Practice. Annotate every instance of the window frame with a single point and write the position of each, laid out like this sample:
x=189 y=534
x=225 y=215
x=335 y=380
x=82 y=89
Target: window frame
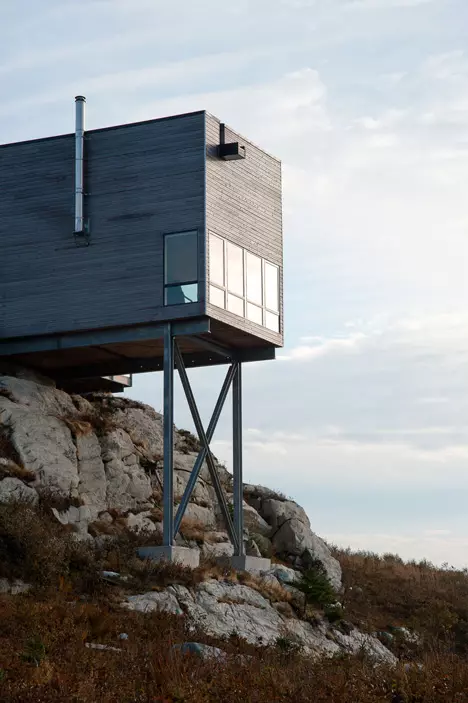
x=196 y=282
x=246 y=300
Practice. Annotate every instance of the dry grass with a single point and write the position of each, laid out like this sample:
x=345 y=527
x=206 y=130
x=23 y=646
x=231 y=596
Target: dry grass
x=6 y=393
x=273 y=592
x=381 y=592
x=43 y=656
x=192 y=529
x=188 y=443
x=83 y=423
x=148 y=670
x=7 y=448
x=37 y=549
x=16 y=471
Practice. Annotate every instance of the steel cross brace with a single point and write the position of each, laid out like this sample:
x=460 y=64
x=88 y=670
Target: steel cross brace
x=205 y=452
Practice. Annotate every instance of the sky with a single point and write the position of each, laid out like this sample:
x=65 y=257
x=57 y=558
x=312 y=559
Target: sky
x=363 y=416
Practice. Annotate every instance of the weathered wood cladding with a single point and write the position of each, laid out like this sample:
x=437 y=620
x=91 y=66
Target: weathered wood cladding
x=244 y=206
x=142 y=180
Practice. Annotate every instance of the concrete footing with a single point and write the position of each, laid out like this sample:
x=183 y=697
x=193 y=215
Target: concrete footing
x=181 y=555
x=250 y=564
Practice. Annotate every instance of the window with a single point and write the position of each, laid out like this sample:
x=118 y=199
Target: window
x=254 y=313
x=217 y=273
x=271 y=287
x=235 y=269
x=244 y=284
x=235 y=305
x=271 y=321
x=181 y=268
x=217 y=297
x=253 y=265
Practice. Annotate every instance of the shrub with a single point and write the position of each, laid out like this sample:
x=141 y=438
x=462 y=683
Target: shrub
x=34 y=651
x=334 y=612
x=315 y=585
x=36 y=548
x=190 y=443
x=7 y=448
x=263 y=543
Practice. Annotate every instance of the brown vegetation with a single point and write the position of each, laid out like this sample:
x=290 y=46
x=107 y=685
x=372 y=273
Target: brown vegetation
x=6 y=393
x=43 y=657
x=384 y=592
x=43 y=636
x=83 y=423
x=7 y=448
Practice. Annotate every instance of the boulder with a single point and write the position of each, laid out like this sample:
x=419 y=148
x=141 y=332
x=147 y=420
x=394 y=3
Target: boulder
x=251 y=549
x=149 y=602
x=204 y=651
x=357 y=642
x=141 y=523
x=197 y=514
x=277 y=512
x=79 y=517
x=217 y=550
x=293 y=537
x=14 y=588
x=283 y=574
x=45 y=447
x=13 y=490
x=254 y=523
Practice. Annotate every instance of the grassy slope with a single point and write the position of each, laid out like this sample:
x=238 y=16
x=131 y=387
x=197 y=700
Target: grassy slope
x=43 y=656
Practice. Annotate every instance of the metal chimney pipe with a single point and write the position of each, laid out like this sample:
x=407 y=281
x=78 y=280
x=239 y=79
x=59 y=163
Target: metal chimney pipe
x=79 y=162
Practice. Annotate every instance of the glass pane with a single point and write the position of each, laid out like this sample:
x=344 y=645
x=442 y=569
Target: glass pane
x=235 y=269
x=271 y=321
x=254 y=313
x=254 y=278
x=176 y=295
x=271 y=287
x=180 y=263
x=235 y=305
x=216 y=260
x=217 y=297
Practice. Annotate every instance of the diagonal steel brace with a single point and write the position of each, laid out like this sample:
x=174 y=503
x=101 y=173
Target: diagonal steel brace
x=202 y=454
x=206 y=447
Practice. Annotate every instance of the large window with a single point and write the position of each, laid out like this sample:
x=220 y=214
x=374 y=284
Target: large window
x=243 y=283
x=181 y=268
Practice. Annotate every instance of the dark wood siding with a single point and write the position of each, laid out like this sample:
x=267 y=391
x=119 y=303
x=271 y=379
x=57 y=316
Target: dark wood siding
x=142 y=180
x=244 y=206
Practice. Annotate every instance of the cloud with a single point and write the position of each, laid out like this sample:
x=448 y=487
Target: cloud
x=364 y=419
x=384 y=4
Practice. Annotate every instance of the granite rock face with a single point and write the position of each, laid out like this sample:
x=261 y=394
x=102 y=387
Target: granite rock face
x=290 y=532
x=103 y=454
x=222 y=608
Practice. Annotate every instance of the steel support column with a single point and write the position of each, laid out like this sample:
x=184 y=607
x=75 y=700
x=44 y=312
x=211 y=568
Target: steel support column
x=168 y=471
x=237 y=459
x=202 y=454
x=204 y=442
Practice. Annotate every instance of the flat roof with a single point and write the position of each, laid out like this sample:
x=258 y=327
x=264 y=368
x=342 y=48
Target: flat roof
x=105 y=129
x=125 y=125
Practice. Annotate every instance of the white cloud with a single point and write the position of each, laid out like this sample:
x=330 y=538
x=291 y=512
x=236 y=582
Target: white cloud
x=384 y=4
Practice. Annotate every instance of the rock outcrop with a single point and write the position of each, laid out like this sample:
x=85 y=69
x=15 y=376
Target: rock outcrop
x=290 y=532
x=96 y=458
x=98 y=461
x=223 y=609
